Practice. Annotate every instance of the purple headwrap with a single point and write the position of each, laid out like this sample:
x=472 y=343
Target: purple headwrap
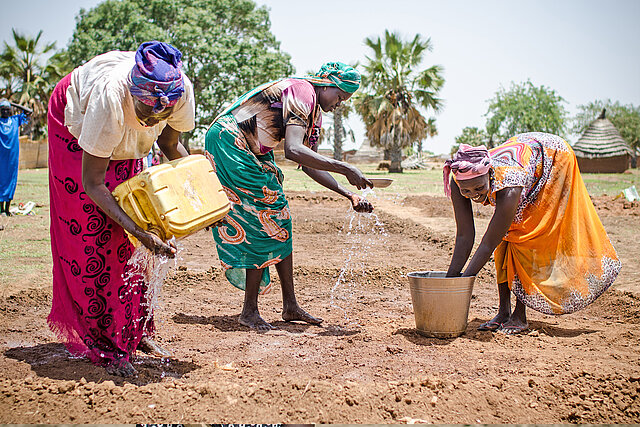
x=157 y=76
x=469 y=162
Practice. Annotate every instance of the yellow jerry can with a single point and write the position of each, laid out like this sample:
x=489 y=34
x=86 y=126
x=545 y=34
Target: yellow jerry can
x=174 y=199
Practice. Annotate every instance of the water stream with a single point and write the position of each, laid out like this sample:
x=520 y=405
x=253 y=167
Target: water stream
x=145 y=268
x=363 y=231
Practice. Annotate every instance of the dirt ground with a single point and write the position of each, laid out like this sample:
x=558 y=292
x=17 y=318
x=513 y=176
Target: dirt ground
x=365 y=364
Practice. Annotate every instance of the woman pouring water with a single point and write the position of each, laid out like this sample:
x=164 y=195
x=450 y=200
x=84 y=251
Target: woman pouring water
x=240 y=142
x=549 y=246
x=103 y=119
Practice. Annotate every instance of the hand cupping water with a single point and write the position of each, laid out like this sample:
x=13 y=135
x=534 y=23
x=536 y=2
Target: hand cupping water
x=360 y=204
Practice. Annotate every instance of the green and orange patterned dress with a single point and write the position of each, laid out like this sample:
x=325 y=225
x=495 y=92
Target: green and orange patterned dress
x=241 y=140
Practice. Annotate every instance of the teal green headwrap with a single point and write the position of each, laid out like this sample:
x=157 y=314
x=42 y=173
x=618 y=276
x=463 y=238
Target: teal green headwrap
x=337 y=74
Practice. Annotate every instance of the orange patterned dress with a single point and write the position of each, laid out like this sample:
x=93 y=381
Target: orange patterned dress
x=556 y=256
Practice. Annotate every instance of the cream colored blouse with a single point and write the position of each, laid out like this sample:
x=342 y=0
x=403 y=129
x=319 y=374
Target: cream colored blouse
x=100 y=110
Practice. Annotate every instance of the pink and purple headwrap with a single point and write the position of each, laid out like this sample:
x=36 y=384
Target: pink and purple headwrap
x=469 y=162
x=157 y=76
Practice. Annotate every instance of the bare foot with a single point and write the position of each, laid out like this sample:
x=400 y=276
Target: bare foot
x=514 y=326
x=121 y=368
x=299 y=314
x=254 y=321
x=149 y=346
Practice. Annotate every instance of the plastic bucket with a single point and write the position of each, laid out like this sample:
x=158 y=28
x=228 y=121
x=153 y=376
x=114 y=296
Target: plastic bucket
x=440 y=304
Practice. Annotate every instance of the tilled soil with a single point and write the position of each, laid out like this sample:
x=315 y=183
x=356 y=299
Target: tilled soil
x=366 y=363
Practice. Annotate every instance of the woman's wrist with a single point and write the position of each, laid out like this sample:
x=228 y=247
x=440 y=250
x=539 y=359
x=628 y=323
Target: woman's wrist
x=137 y=232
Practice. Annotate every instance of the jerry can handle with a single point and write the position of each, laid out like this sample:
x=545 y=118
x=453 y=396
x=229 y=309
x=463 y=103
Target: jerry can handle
x=136 y=209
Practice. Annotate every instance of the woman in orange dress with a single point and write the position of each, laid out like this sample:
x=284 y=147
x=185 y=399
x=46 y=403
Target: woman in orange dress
x=549 y=246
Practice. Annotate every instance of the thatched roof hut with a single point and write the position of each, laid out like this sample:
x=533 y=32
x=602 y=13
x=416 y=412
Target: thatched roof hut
x=601 y=149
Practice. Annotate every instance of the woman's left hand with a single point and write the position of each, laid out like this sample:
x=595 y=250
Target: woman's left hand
x=360 y=204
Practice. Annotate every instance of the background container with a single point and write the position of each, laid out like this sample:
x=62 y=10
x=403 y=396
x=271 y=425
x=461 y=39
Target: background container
x=440 y=304
x=174 y=199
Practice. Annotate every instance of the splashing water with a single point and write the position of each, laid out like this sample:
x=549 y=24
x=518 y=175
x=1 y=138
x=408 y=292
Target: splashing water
x=146 y=271
x=363 y=231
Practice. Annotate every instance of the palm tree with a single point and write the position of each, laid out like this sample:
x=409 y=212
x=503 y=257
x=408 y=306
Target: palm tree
x=338 y=130
x=26 y=79
x=394 y=90
x=430 y=131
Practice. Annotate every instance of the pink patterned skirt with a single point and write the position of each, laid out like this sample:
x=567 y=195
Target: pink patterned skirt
x=96 y=311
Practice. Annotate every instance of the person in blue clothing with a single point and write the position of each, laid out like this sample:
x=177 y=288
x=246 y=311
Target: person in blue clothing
x=9 y=150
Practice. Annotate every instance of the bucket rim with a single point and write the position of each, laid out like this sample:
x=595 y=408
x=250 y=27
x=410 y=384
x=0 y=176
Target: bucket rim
x=421 y=274
x=438 y=275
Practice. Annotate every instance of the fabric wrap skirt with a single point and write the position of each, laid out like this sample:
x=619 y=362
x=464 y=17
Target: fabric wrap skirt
x=558 y=259
x=258 y=229
x=98 y=308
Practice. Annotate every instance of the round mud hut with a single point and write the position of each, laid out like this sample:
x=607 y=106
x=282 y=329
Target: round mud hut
x=601 y=149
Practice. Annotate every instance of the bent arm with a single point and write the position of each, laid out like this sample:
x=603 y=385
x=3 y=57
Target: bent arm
x=465 y=231
x=93 y=174
x=295 y=150
x=325 y=179
x=506 y=207
x=27 y=111
x=169 y=143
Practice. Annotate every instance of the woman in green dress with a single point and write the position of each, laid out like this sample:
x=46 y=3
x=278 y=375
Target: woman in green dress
x=239 y=143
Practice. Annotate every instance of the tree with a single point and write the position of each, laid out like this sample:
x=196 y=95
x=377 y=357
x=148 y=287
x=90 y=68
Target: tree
x=431 y=131
x=471 y=136
x=338 y=130
x=394 y=90
x=27 y=78
x=227 y=45
x=525 y=108
x=626 y=118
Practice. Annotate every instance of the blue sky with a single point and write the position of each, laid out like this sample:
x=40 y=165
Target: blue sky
x=583 y=49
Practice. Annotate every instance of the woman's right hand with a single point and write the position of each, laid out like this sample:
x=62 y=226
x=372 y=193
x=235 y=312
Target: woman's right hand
x=356 y=177
x=360 y=204
x=156 y=245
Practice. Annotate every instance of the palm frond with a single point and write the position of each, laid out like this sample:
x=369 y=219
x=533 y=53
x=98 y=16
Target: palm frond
x=393 y=91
